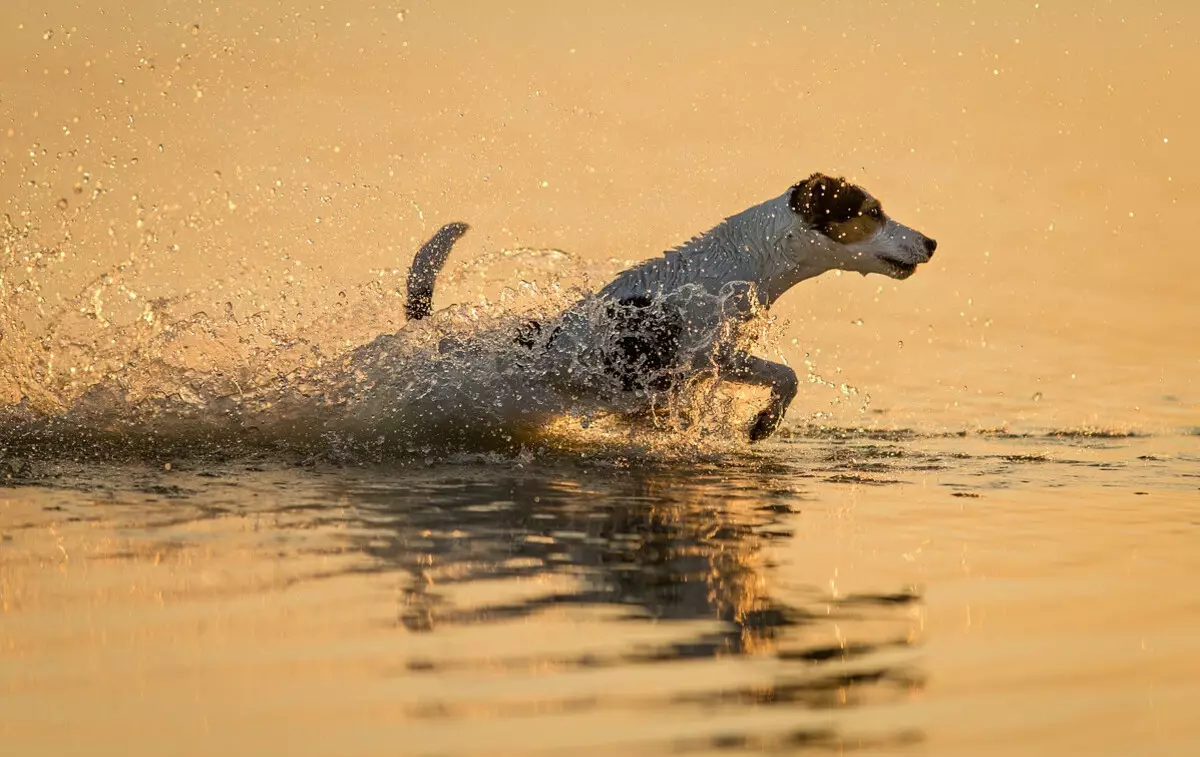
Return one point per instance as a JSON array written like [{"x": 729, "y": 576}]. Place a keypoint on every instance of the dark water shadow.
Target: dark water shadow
[
  {"x": 687, "y": 549},
  {"x": 677, "y": 549}
]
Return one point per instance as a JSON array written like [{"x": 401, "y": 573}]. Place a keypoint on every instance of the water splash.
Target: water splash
[{"x": 109, "y": 371}]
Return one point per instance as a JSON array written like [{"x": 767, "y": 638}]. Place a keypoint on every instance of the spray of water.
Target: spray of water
[{"x": 107, "y": 371}]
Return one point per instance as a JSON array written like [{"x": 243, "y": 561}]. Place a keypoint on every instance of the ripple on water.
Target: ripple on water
[{"x": 638, "y": 602}]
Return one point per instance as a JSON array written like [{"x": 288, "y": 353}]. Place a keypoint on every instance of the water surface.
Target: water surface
[{"x": 840, "y": 589}]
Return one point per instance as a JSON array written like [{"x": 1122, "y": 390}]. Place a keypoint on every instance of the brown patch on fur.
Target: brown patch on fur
[{"x": 838, "y": 209}]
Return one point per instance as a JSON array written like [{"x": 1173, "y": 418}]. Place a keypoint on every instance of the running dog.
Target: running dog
[{"x": 663, "y": 320}]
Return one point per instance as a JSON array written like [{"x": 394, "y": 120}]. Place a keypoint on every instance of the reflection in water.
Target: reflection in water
[
  {"x": 663, "y": 549},
  {"x": 560, "y": 604},
  {"x": 644, "y": 601}
]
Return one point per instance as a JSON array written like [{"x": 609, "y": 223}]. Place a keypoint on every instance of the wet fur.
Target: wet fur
[{"x": 731, "y": 272}]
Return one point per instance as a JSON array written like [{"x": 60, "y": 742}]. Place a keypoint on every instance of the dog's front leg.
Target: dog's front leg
[{"x": 745, "y": 368}]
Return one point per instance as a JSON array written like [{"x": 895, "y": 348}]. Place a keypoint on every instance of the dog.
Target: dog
[{"x": 668, "y": 319}]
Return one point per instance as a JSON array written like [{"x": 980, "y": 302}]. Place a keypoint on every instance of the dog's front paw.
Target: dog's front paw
[{"x": 765, "y": 424}]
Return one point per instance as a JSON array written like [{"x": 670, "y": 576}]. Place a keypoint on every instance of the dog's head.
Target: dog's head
[{"x": 864, "y": 238}]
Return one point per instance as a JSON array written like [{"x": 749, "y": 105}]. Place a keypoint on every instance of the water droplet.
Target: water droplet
[
  {"x": 1037, "y": 397},
  {"x": 48, "y": 34},
  {"x": 195, "y": 29},
  {"x": 62, "y": 203},
  {"x": 900, "y": 344}
]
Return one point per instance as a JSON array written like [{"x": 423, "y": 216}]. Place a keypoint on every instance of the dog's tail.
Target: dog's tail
[{"x": 426, "y": 265}]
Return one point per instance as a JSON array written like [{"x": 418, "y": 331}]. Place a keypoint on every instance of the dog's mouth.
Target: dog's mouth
[{"x": 898, "y": 269}]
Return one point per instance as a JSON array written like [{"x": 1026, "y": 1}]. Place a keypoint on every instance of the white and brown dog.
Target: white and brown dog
[{"x": 665, "y": 320}]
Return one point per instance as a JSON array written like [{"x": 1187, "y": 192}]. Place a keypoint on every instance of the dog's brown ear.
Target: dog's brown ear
[
  {"x": 823, "y": 200},
  {"x": 807, "y": 195}
]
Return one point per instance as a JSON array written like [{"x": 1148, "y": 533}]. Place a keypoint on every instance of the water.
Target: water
[
  {"x": 844, "y": 590},
  {"x": 244, "y": 510}
]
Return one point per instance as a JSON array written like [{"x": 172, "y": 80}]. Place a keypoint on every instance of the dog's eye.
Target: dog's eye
[{"x": 875, "y": 212}]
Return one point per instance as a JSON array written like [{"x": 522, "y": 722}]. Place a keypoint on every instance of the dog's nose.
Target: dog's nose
[{"x": 930, "y": 246}]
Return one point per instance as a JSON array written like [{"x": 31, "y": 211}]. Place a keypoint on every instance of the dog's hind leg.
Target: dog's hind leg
[
  {"x": 426, "y": 265},
  {"x": 744, "y": 368}
]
